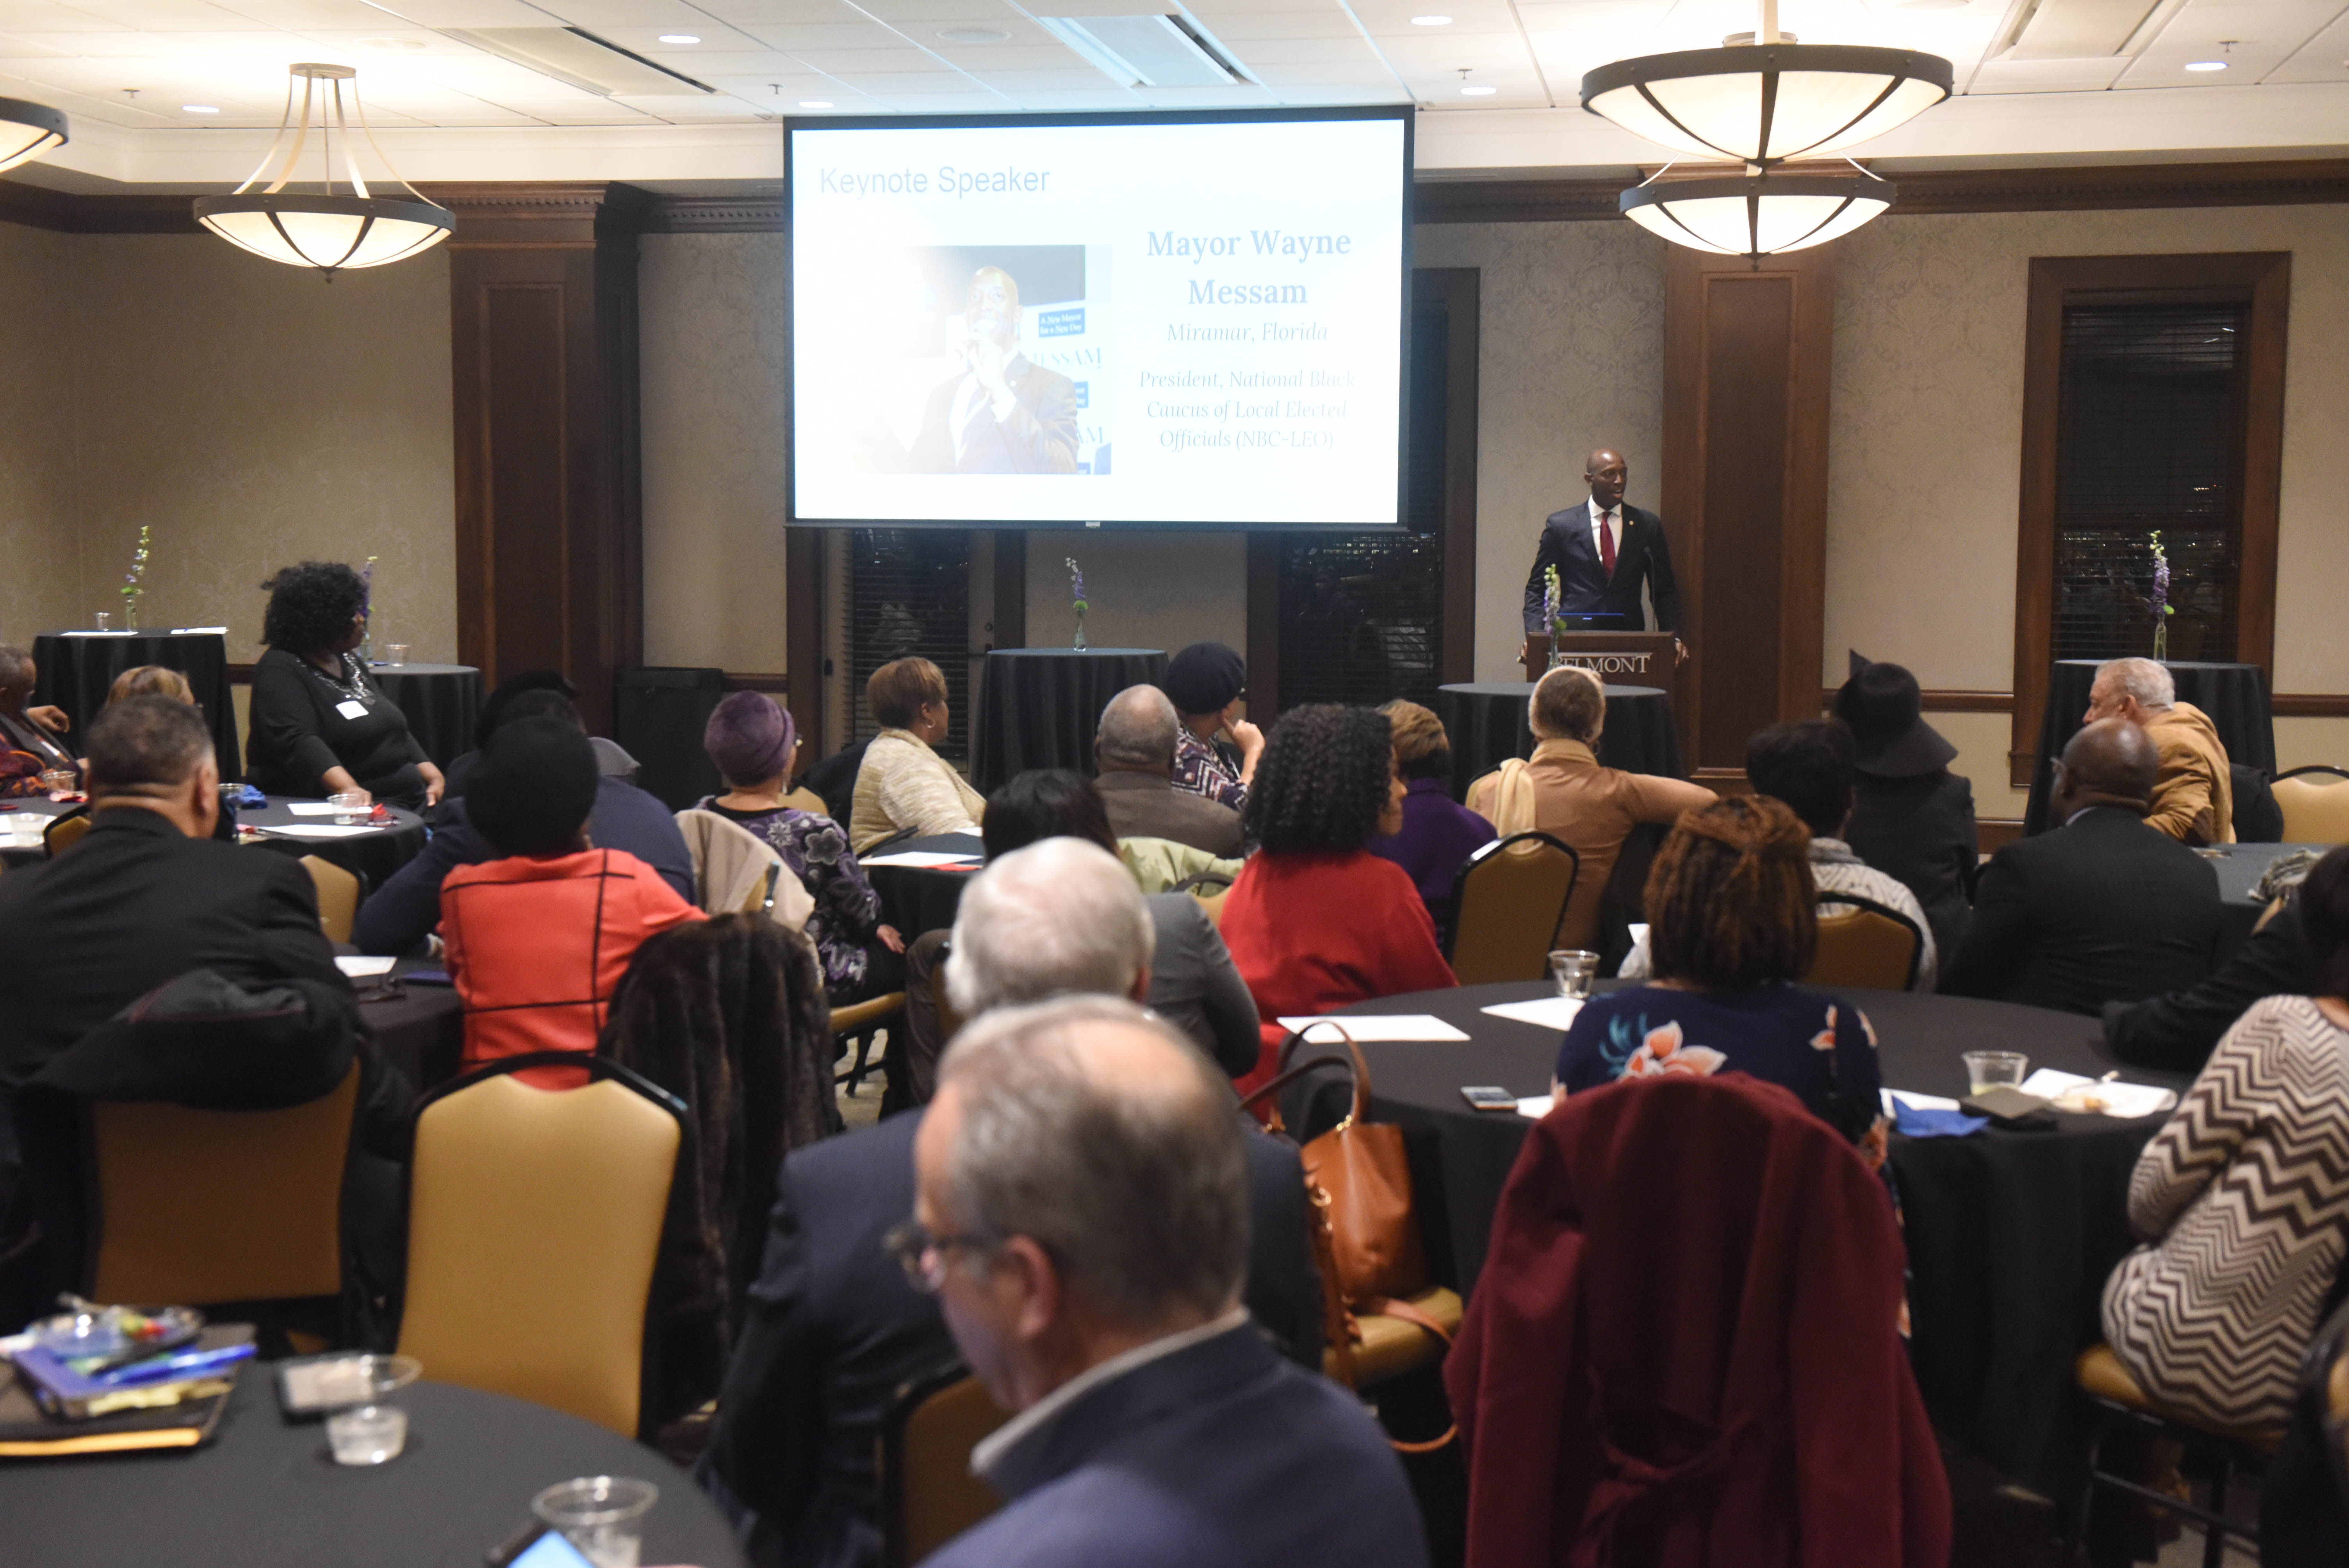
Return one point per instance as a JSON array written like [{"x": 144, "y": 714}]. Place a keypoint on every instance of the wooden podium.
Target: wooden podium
[{"x": 1617, "y": 658}]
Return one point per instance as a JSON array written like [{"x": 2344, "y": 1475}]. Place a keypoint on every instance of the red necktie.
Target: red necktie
[{"x": 1606, "y": 545}]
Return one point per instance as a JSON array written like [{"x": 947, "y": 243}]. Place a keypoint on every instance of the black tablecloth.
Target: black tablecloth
[
  {"x": 418, "y": 1028},
  {"x": 915, "y": 899},
  {"x": 1489, "y": 722},
  {"x": 75, "y": 669},
  {"x": 1037, "y": 707},
  {"x": 442, "y": 703},
  {"x": 2011, "y": 1235},
  {"x": 39, "y": 806},
  {"x": 2239, "y": 869},
  {"x": 2234, "y": 695},
  {"x": 267, "y": 1494},
  {"x": 374, "y": 854}
]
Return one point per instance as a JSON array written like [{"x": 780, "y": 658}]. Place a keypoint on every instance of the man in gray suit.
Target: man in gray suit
[{"x": 1135, "y": 750}]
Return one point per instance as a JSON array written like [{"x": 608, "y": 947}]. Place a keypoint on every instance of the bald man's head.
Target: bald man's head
[
  {"x": 1606, "y": 473},
  {"x": 1137, "y": 733},
  {"x": 2111, "y": 762}
]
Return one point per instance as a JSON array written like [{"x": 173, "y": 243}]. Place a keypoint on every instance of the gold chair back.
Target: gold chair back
[
  {"x": 200, "y": 1206},
  {"x": 2315, "y": 805},
  {"x": 1870, "y": 947},
  {"x": 534, "y": 1217},
  {"x": 338, "y": 897},
  {"x": 928, "y": 1495},
  {"x": 1508, "y": 903},
  {"x": 806, "y": 799},
  {"x": 63, "y": 834}
]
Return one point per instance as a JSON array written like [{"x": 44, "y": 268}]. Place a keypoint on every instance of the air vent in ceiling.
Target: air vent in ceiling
[
  {"x": 2075, "y": 30},
  {"x": 1151, "y": 51},
  {"x": 575, "y": 55}
]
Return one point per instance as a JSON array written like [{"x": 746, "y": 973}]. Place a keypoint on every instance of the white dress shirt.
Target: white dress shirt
[{"x": 1611, "y": 523}]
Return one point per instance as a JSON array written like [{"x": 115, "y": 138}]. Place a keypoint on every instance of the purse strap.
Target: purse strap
[{"x": 1358, "y": 1112}]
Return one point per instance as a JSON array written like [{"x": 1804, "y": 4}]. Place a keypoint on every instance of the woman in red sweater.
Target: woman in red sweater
[{"x": 1316, "y": 920}]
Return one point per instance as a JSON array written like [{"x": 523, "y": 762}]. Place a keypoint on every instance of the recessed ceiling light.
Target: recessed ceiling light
[
  {"x": 1431, "y": 21},
  {"x": 680, "y": 39},
  {"x": 199, "y": 109},
  {"x": 391, "y": 45},
  {"x": 1478, "y": 92},
  {"x": 815, "y": 103},
  {"x": 973, "y": 35},
  {"x": 2206, "y": 65}
]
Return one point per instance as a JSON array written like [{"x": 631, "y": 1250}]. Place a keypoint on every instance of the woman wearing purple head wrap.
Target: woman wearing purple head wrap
[{"x": 752, "y": 742}]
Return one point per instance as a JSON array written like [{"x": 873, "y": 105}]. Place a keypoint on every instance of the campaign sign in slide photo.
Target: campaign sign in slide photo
[{"x": 1186, "y": 323}]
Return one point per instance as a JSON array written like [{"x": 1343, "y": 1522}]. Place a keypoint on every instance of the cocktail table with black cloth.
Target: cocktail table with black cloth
[
  {"x": 2234, "y": 695},
  {"x": 1037, "y": 707},
  {"x": 442, "y": 702},
  {"x": 2239, "y": 869},
  {"x": 267, "y": 1494},
  {"x": 374, "y": 854},
  {"x": 76, "y": 667},
  {"x": 915, "y": 899},
  {"x": 1489, "y": 722},
  {"x": 2011, "y": 1235}
]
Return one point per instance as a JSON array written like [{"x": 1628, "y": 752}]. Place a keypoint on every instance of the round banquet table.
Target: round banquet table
[
  {"x": 442, "y": 702},
  {"x": 2239, "y": 869},
  {"x": 13, "y": 854},
  {"x": 74, "y": 670},
  {"x": 915, "y": 899},
  {"x": 1489, "y": 722},
  {"x": 1037, "y": 707},
  {"x": 2010, "y": 1234},
  {"x": 419, "y": 1027},
  {"x": 2234, "y": 695},
  {"x": 374, "y": 854},
  {"x": 267, "y": 1494}
]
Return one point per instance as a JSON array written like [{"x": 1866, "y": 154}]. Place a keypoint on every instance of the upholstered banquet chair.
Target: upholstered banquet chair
[
  {"x": 1872, "y": 948},
  {"x": 1508, "y": 903},
  {"x": 2315, "y": 803}
]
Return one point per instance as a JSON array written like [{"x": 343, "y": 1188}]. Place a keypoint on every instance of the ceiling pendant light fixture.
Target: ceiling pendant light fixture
[
  {"x": 1757, "y": 215},
  {"x": 1766, "y": 99},
  {"x": 332, "y": 234},
  {"x": 27, "y": 130}
]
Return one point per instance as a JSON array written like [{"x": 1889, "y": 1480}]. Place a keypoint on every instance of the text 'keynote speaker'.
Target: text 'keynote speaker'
[{"x": 1602, "y": 550}]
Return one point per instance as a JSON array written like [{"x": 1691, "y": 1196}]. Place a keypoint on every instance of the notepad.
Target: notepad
[
  {"x": 311, "y": 808},
  {"x": 921, "y": 860},
  {"x": 200, "y": 631},
  {"x": 1542, "y": 1013},
  {"x": 2071, "y": 1092},
  {"x": 1917, "y": 1101},
  {"x": 359, "y": 966},
  {"x": 1535, "y": 1106},
  {"x": 1374, "y": 1027}
]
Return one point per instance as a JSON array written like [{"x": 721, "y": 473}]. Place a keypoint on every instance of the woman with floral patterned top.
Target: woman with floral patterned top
[
  {"x": 1732, "y": 915},
  {"x": 752, "y": 742},
  {"x": 1205, "y": 683}
]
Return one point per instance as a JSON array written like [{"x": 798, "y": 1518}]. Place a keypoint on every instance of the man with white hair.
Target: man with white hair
[
  {"x": 2193, "y": 794},
  {"x": 1060, "y": 916},
  {"x": 1134, "y": 751},
  {"x": 1082, "y": 1216}
]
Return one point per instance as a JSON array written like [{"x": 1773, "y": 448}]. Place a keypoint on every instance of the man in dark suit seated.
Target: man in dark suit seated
[
  {"x": 833, "y": 1329},
  {"x": 2103, "y": 909},
  {"x": 1004, "y": 414},
  {"x": 1134, "y": 748},
  {"x": 1082, "y": 1216},
  {"x": 1602, "y": 550},
  {"x": 147, "y": 895}
]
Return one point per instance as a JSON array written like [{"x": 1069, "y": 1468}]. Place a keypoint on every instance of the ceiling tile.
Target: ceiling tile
[
  {"x": 2324, "y": 58},
  {"x": 168, "y": 15},
  {"x": 41, "y": 16},
  {"x": 2045, "y": 76},
  {"x": 902, "y": 84},
  {"x": 1237, "y": 27}
]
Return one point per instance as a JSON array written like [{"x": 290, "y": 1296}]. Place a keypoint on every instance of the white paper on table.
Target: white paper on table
[
  {"x": 317, "y": 831},
  {"x": 920, "y": 860},
  {"x": 200, "y": 631},
  {"x": 2121, "y": 1100},
  {"x": 97, "y": 633},
  {"x": 1535, "y": 1106},
  {"x": 359, "y": 966},
  {"x": 1374, "y": 1027},
  {"x": 1542, "y": 1013},
  {"x": 311, "y": 808},
  {"x": 1917, "y": 1101}
]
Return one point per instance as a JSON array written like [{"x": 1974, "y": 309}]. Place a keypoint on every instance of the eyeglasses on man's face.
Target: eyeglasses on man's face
[{"x": 922, "y": 1253}]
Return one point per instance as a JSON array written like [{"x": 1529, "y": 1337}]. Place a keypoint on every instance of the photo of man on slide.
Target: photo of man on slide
[{"x": 1002, "y": 414}]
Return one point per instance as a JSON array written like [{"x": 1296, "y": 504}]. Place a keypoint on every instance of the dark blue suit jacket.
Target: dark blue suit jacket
[
  {"x": 1218, "y": 1454},
  {"x": 1037, "y": 436},
  {"x": 1584, "y": 587},
  {"x": 833, "y": 1329}
]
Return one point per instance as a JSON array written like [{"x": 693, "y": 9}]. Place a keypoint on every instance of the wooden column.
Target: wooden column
[
  {"x": 1747, "y": 356},
  {"x": 542, "y": 286}
]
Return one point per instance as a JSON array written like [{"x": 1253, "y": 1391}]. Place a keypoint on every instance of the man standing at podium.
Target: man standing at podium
[{"x": 1602, "y": 549}]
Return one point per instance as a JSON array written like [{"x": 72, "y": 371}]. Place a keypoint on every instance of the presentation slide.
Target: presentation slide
[{"x": 1116, "y": 323}]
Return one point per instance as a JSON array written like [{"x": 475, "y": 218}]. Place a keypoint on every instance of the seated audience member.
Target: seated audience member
[
  {"x": 1082, "y": 1215},
  {"x": 2102, "y": 908},
  {"x": 611, "y": 758},
  {"x": 1438, "y": 834},
  {"x": 1316, "y": 920},
  {"x": 539, "y": 939},
  {"x": 902, "y": 783},
  {"x": 2176, "y": 1031},
  {"x": 1809, "y": 767},
  {"x": 1205, "y": 683},
  {"x": 1162, "y": 865},
  {"x": 28, "y": 747},
  {"x": 1567, "y": 794},
  {"x": 2244, "y": 1198},
  {"x": 1733, "y": 921},
  {"x": 149, "y": 680},
  {"x": 146, "y": 896},
  {"x": 1911, "y": 817},
  {"x": 1135, "y": 750},
  {"x": 2193, "y": 792},
  {"x": 398, "y": 916},
  {"x": 320, "y": 725},
  {"x": 751, "y": 742},
  {"x": 1189, "y": 977},
  {"x": 835, "y": 1327}
]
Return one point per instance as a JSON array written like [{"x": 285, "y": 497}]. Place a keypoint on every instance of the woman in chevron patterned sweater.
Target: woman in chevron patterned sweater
[{"x": 2245, "y": 1198}]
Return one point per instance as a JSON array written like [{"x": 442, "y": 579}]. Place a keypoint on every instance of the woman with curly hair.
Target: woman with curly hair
[
  {"x": 1316, "y": 920},
  {"x": 1733, "y": 917},
  {"x": 320, "y": 724}
]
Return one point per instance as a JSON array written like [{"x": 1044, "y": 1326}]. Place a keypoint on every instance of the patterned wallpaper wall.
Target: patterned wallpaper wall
[{"x": 40, "y": 567}]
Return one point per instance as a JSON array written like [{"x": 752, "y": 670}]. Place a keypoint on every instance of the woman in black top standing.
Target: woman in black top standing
[{"x": 320, "y": 724}]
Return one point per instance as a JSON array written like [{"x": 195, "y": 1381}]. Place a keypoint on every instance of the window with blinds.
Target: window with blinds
[
  {"x": 2149, "y": 438},
  {"x": 909, "y": 596},
  {"x": 1361, "y": 615}
]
